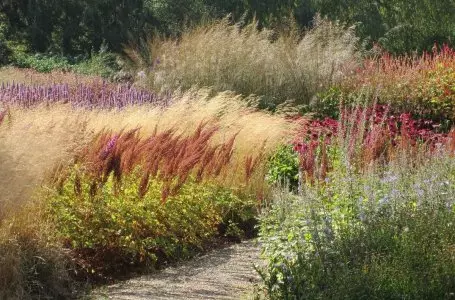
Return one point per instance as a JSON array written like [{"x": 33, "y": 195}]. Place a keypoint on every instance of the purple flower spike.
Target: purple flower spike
[{"x": 109, "y": 147}]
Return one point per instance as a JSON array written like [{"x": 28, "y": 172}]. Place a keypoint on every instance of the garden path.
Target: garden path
[{"x": 225, "y": 273}]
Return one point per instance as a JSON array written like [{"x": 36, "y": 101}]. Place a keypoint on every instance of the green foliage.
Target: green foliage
[
  {"x": 40, "y": 62},
  {"x": 75, "y": 26},
  {"x": 384, "y": 234},
  {"x": 103, "y": 63},
  {"x": 72, "y": 27},
  {"x": 400, "y": 26},
  {"x": 283, "y": 167},
  {"x": 115, "y": 228},
  {"x": 326, "y": 104},
  {"x": 5, "y": 51}
]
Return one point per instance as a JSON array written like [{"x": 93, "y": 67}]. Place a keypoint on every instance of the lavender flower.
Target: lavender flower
[
  {"x": 384, "y": 200},
  {"x": 390, "y": 178},
  {"x": 82, "y": 96},
  {"x": 109, "y": 148}
]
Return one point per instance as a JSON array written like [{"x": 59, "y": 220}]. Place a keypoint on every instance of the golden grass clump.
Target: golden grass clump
[
  {"x": 32, "y": 142},
  {"x": 251, "y": 61},
  {"x": 32, "y": 264}
]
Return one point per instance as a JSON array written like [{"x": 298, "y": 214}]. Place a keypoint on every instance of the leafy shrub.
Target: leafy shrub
[
  {"x": 5, "y": 53},
  {"x": 119, "y": 227},
  {"x": 131, "y": 201},
  {"x": 423, "y": 85},
  {"x": 326, "y": 104},
  {"x": 382, "y": 234},
  {"x": 102, "y": 63},
  {"x": 283, "y": 167},
  {"x": 40, "y": 62}
]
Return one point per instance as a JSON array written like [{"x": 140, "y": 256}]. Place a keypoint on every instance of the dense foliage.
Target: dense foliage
[
  {"x": 382, "y": 234},
  {"x": 136, "y": 202},
  {"x": 74, "y": 27},
  {"x": 373, "y": 214},
  {"x": 115, "y": 229}
]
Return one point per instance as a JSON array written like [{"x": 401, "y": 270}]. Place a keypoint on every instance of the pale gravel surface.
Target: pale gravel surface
[{"x": 226, "y": 273}]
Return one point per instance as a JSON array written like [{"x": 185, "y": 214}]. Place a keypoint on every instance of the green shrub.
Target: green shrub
[
  {"x": 114, "y": 227},
  {"x": 283, "y": 167},
  {"x": 102, "y": 63},
  {"x": 40, "y": 62},
  {"x": 326, "y": 104},
  {"x": 383, "y": 234}
]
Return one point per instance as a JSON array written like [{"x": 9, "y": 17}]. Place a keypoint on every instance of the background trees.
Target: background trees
[{"x": 73, "y": 27}]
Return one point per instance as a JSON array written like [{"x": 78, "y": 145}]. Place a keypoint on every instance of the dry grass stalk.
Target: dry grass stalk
[{"x": 249, "y": 61}]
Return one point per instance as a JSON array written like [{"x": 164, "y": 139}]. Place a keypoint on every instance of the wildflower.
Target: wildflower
[
  {"x": 109, "y": 148},
  {"x": 420, "y": 192},
  {"x": 362, "y": 217},
  {"x": 384, "y": 200},
  {"x": 141, "y": 75},
  {"x": 389, "y": 179}
]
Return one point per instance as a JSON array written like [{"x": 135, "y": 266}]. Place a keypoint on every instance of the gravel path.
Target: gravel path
[{"x": 222, "y": 274}]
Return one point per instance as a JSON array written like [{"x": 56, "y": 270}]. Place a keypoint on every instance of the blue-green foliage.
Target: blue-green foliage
[{"x": 384, "y": 234}]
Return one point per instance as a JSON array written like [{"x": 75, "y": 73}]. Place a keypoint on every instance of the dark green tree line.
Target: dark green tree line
[{"x": 71, "y": 27}]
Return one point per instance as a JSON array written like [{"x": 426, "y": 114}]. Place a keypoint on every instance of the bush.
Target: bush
[
  {"x": 117, "y": 227},
  {"x": 103, "y": 63},
  {"x": 283, "y": 167},
  {"x": 5, "y": 52},
  {"x": 384, "y": 234},
  {"x": 249, "y": 61},
  {"x": 130, "y": 201},
  {"x": 423, "y": 84},
  {"x": 40, "y": 62},
  {"x": 326, "y": 104}
]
